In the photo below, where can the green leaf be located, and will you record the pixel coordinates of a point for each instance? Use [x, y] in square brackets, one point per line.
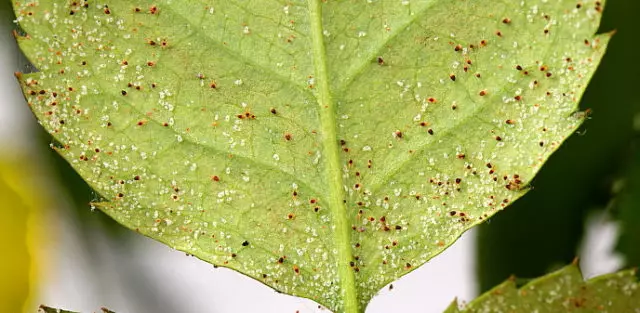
[324, 148]
[46, 309]
[524, 241]
[561, 291]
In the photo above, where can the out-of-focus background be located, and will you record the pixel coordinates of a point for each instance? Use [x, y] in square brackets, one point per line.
[56, 251]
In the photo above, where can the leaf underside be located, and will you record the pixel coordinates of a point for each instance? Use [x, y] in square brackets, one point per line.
[561, 291]
[324, 148]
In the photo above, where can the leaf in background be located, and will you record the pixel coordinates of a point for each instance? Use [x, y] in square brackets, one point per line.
[46, 309]
[19, 205]
[627, 209]
[322, 148]
[541, 231]
[561, 291]
[18, 230]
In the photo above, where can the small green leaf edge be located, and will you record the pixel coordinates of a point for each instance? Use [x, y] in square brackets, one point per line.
[624, 283]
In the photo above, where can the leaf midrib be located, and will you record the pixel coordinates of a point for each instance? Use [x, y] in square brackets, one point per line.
[327, 109]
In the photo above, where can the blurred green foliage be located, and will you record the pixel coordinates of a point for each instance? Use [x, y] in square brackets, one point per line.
[627, 209]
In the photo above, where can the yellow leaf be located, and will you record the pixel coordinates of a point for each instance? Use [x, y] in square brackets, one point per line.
[19, 235]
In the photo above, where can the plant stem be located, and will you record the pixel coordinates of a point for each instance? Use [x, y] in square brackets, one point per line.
[342, 231]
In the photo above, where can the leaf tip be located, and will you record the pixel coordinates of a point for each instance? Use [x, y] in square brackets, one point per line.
[575, 261]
